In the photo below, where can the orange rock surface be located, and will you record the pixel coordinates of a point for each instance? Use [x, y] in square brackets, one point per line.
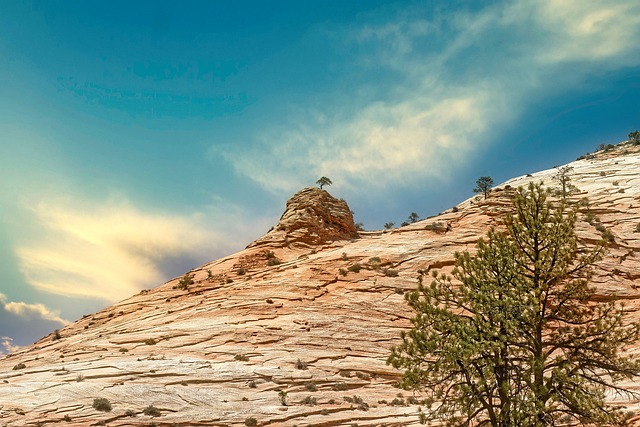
[310, 309]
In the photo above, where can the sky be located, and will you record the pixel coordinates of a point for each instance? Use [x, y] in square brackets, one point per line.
[139, 140]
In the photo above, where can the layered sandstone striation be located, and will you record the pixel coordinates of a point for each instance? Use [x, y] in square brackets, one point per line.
[295, 329]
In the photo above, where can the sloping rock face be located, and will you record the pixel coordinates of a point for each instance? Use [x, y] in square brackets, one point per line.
[292, 332]
[312, 217]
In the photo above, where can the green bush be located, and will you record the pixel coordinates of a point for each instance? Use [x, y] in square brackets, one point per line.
[309, 401]
[339, 386]
[363, 376]
[251, 422]
[355, 268]
[185, 282]
[19, 366]
[152, 411]
[101, 404]
[282, 395]
[241, 357]
[390, 273]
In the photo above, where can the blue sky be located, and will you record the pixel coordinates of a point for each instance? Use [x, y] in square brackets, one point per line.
[141, 139]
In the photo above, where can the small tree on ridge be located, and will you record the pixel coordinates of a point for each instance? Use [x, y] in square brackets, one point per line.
[564, 179]
[483, 185]
[323, 181]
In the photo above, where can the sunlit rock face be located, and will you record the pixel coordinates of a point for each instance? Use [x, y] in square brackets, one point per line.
[311, 309]
[312, 217]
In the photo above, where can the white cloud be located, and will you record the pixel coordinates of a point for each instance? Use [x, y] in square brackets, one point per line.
[460, 78]
[31, 311]
[108, 250]
[7, 346]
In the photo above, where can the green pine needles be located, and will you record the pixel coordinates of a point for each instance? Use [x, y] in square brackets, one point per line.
[513, 338]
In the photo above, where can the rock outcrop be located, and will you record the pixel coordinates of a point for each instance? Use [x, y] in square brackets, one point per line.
[312, 217]
[295, 329]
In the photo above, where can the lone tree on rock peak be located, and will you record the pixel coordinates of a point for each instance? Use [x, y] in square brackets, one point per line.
[483, 185]
[634, 137]
[517, 339]
[323, 181]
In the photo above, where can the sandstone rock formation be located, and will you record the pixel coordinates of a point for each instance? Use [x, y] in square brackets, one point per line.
[312, 217]
[295, 329]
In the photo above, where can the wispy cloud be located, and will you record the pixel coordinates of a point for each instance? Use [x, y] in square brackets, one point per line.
[591, 31]
[110, 249]
[457, 80]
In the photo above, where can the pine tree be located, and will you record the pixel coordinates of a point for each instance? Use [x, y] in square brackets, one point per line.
[513, 338]
[563, 176]
[483, 185]
[322, 181]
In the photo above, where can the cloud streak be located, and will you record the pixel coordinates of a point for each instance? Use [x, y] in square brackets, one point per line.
[107, 250]
[458, 80]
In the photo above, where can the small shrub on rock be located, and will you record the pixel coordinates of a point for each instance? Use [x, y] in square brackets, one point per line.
[185, 282]
[19, 366]
[101, 404]
[339, 386]
[390, 273]
[355, 268]
[251, 422]
[301, 365]
[310, 401]
[151, 411]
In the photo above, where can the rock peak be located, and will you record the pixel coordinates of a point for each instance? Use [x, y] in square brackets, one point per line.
[312, 216]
